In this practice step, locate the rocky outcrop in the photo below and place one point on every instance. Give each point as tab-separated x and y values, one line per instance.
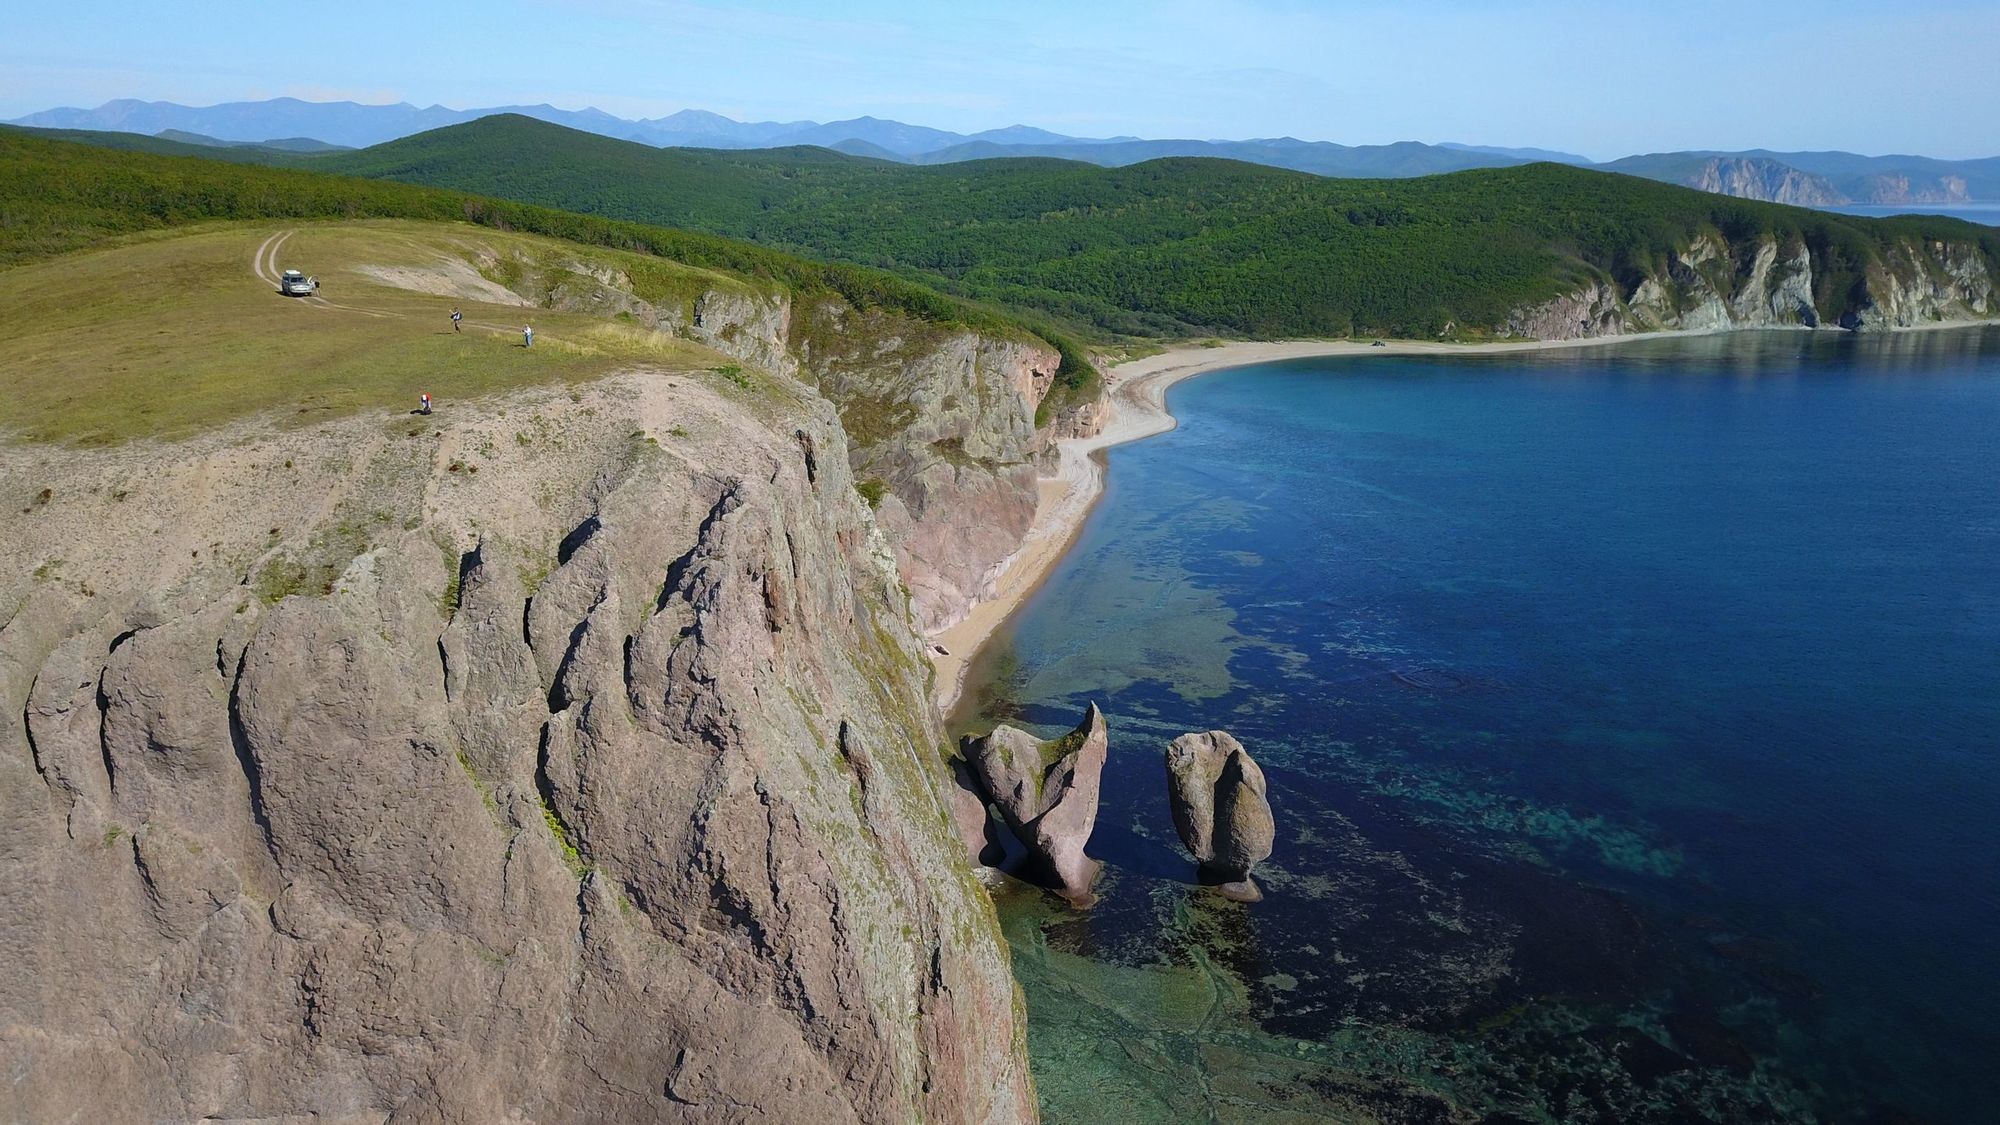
941	419
1712	285
945	419
1046	796
1076	420
1925	282
1593	310
726	314
1902	187
563	758
1774	181
1221	809
1750	177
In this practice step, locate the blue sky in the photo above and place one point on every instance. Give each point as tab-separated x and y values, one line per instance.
1603	78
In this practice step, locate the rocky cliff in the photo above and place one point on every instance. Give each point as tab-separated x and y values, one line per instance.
1904	187
565	757
1774	181
945	420
941	420
1715	283
1756	178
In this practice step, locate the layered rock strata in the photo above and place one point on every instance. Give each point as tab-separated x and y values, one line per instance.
564	758
1221	808
1045	795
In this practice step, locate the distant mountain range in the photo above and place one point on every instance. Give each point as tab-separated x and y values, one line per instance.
1814	179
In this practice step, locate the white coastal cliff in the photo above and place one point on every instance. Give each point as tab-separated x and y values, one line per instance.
1713	284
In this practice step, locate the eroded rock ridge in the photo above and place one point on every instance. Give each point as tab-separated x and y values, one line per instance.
497	766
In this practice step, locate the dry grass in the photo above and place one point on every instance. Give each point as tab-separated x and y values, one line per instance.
169	336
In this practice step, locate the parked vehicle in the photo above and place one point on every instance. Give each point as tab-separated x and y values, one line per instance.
295	284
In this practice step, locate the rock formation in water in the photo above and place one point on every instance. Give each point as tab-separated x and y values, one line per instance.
1221	809
1046	796
562	757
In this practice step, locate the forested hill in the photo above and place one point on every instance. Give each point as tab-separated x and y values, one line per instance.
1181	246
1166	248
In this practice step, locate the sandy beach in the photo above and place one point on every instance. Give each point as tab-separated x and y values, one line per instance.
1138	409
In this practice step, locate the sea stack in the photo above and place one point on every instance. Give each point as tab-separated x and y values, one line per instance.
1046	795
1220	808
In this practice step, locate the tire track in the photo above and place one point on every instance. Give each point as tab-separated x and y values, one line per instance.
267	252
264	264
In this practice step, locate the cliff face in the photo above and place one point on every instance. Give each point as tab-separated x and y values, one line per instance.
1773	181
1899	187
1922	282
1713	284
942	418
946	420
562	758
1758	178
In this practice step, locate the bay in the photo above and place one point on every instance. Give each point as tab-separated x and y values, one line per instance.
1632	720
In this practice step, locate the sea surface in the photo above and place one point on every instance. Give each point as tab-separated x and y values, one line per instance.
1985	213
1631	717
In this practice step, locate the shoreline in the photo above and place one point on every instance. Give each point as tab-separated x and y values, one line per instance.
1136	408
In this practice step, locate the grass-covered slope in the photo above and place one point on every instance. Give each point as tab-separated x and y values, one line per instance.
171	335
129	334
1165	247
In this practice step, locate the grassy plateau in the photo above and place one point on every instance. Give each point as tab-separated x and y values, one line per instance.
162	336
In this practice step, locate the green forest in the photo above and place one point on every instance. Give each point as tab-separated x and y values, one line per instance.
1170	248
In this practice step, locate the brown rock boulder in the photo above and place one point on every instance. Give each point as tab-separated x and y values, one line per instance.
1046	795
1221	809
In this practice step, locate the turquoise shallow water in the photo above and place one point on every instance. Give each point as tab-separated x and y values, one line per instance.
1632	718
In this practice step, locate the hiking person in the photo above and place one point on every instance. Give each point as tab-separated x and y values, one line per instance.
426	399
456	316
528	336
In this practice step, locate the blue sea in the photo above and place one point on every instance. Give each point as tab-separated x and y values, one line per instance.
1632	722
1986	213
